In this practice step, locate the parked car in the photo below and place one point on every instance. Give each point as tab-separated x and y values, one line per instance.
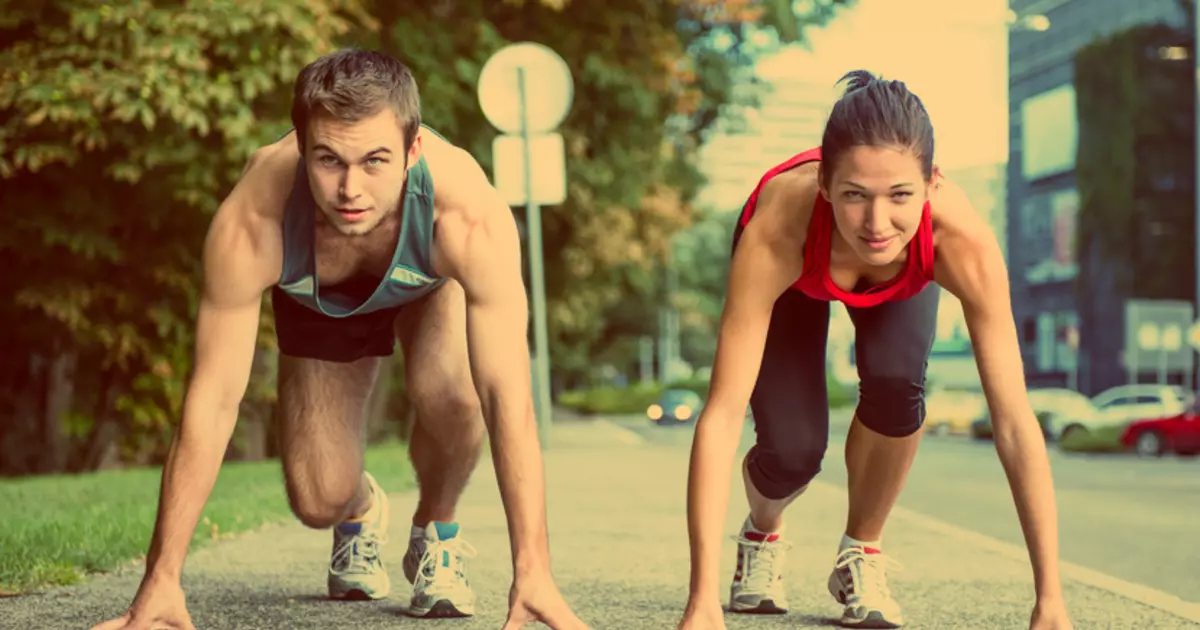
1153	437
1060	411
952	410
675	406
1127	403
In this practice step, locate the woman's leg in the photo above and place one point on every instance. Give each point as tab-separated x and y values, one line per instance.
892	345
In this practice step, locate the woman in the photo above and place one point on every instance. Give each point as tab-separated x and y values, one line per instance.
865	219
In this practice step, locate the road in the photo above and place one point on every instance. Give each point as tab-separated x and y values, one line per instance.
616	507
1130	518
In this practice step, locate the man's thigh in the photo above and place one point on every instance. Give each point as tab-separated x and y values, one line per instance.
433	335
327	369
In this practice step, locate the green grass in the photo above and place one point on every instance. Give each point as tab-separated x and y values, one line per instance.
1100	440
57	529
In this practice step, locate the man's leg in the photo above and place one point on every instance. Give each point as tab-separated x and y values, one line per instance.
327	369
892	346
444	447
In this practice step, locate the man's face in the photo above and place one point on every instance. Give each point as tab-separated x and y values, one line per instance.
357	170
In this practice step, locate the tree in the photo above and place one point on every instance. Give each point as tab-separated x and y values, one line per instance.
124	124
650	78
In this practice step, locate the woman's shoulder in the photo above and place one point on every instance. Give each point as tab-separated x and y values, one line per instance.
786	201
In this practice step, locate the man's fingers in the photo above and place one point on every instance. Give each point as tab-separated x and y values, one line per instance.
563	618
516	619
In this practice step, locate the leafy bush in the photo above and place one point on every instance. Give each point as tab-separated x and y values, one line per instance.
636	398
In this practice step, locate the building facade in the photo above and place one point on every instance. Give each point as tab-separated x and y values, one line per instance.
1063	342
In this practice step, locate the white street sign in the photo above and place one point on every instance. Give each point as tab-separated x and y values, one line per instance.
548	184
548	88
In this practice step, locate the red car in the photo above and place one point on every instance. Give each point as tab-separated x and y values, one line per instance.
1178	434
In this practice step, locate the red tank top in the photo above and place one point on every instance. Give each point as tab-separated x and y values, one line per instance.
815	280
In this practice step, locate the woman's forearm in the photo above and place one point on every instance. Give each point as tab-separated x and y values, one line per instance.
1021	448
713	451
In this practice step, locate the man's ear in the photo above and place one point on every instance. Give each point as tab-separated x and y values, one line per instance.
414	151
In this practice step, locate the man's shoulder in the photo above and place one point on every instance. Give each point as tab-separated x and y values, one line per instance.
269	177
459	183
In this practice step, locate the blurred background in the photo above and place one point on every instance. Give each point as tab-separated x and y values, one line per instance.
1070	124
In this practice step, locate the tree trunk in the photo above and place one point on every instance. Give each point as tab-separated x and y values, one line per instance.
59	394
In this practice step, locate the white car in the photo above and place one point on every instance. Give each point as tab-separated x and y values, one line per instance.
1064	411
1146	401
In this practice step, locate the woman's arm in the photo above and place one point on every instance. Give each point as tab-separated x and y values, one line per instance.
971	266
768	259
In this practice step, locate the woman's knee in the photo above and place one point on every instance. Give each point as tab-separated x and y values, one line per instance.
778	473
892	406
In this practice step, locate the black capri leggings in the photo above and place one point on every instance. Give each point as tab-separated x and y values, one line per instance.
790	402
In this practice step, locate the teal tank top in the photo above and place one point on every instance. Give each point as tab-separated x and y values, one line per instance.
411	274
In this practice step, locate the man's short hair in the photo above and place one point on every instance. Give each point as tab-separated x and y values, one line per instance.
354	84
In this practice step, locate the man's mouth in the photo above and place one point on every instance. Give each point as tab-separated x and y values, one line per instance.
352	214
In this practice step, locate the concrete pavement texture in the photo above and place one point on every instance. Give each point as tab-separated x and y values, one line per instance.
617	518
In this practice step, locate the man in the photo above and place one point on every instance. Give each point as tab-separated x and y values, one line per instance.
342	219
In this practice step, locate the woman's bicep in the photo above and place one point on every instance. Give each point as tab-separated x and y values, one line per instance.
763	268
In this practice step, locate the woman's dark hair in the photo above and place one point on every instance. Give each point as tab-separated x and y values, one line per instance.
875	112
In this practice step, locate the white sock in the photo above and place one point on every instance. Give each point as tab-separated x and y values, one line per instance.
848	542
748	526
372	512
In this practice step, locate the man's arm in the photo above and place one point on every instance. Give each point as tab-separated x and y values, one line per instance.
236	259
480	248
971	266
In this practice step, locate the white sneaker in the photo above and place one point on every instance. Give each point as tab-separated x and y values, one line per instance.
440	584
356	568
758	580
859	582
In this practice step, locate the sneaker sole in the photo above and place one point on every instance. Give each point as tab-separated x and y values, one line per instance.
443	609
764	607
874	621
358	594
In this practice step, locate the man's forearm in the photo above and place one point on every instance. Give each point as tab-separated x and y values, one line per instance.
1022	451
517	455
188	478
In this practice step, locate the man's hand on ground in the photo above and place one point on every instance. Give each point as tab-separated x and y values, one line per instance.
537	598
159	605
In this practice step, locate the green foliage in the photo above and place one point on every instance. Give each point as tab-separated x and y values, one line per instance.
611	400
124	125
1135	165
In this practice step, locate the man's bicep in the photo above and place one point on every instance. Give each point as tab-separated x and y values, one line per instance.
227	322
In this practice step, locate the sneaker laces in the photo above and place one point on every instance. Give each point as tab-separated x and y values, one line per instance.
868	574
357	553
759	575
455	548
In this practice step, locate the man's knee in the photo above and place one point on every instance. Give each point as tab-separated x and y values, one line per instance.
892	406
452	413
321	501
778	473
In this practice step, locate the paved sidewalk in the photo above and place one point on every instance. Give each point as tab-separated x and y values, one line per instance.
620	553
